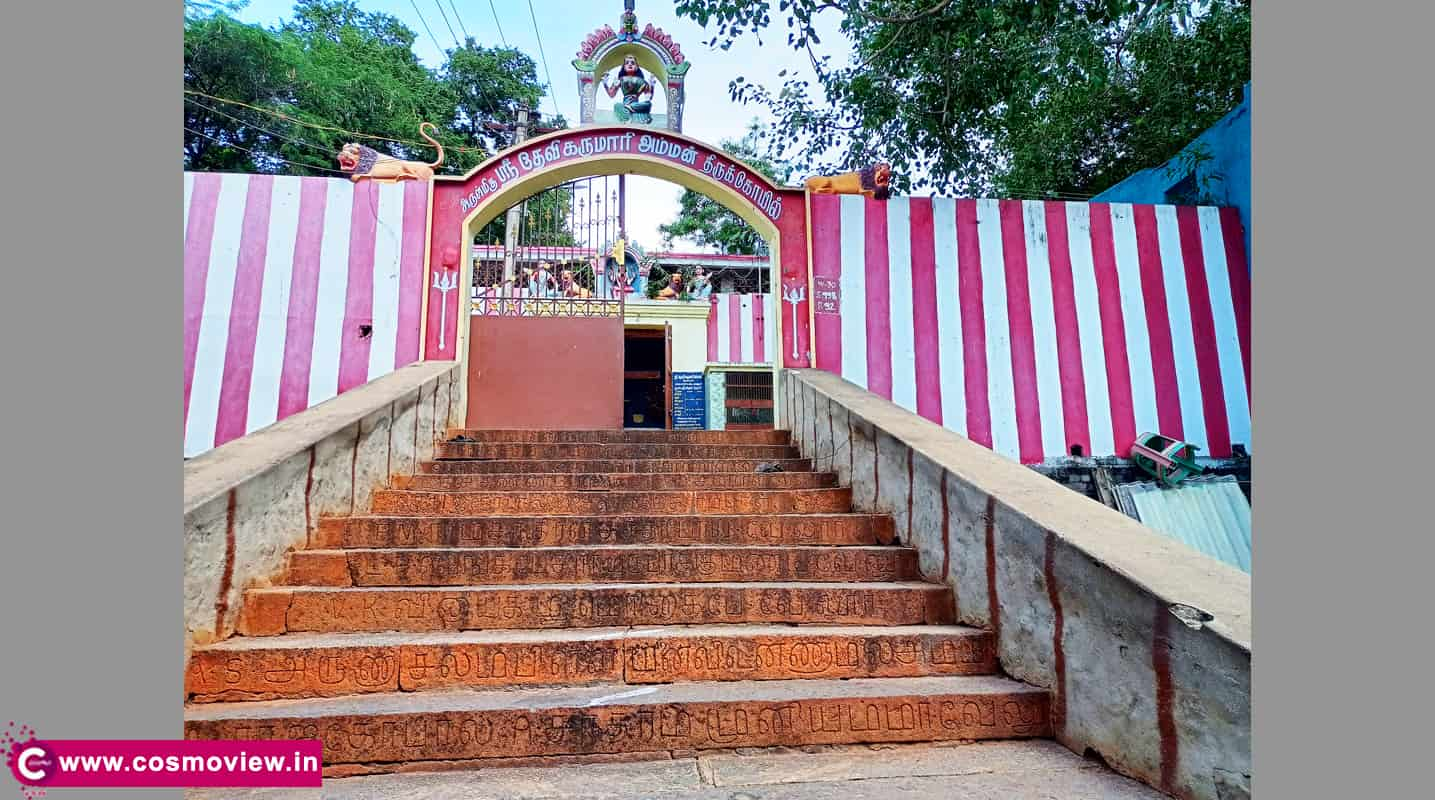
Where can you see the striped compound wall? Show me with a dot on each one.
(1032, 326)
(737, 329)
(280, 273)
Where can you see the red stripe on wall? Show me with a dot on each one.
(1068, 332)
(411, 272)
(1233, 235)
(734, 329)
(1203, 331)
(359, 304)
(713, 327)
(198, 238)
(303, 297)
(974, 336)
(924, 310)
(244, 312)
(1113, 329)
(827, 263)
(1023, 338)
(1158, 322)
(759, 333)
(879, 300)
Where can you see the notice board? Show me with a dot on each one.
(689, 401)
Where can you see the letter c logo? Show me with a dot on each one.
(22, 763)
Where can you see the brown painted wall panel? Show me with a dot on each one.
(545, 372)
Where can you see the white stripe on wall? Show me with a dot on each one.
(744, 318)
(1228, 343)
(333, 290)
(949, 316)
(1043, 327)
(899, 295)
(854, 290)
(1183, 341)
(214, 321)
(274, 304)
(1133, 313)
(188, 193)
(724, 328)
(1088, 324)
(1001, 391)
(388, 241)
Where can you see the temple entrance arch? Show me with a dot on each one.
(462, 206)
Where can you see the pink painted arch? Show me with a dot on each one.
(462, 205)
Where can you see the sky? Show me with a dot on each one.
(563, 24)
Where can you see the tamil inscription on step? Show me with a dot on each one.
(626, 729)
(658, 564)
(470, 609)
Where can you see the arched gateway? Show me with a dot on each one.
(462, 206)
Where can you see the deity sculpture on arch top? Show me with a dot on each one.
(633, 84)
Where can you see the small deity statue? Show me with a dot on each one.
(633, 84)
(702, 284)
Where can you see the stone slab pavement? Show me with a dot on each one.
(1004, 770)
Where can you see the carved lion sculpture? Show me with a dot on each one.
(874, 182)
(361, 161)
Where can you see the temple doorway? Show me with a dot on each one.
(647, 377)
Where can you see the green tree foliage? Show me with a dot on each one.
(1026, 98)
(707, 222)
(333, 68)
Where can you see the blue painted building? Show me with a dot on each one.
(1219, 175)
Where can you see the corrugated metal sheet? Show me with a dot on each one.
(1209, 514)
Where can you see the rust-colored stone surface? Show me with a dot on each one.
(588, 465)
(264, 612)
(622, 482)
(259, 671)
(445, 735)
(690, 564)
(778, 501)
(516, 450)
(483, 608)
(668, 659)
(224, 675)
(319, 568)
(533, 531)
(630, 436)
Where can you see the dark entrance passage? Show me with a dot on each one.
(647, 378)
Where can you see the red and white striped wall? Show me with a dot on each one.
(1032, 326)
(737, 329)
(279, 275)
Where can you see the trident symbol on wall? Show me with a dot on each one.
(445, 282)
(794, 295)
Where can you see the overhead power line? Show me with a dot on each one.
(443, 14)
(459, 20)
(497, 24)
(425, 23)
(552, 89)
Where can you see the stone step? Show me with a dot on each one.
(330, 664)
(626, 465)
(522, 450)
(615, 481)
(628, 436)
(275, 610)
(777, 501)
(598, 564)
(547, 531)
(404, 728)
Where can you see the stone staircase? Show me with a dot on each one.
(576, 593)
